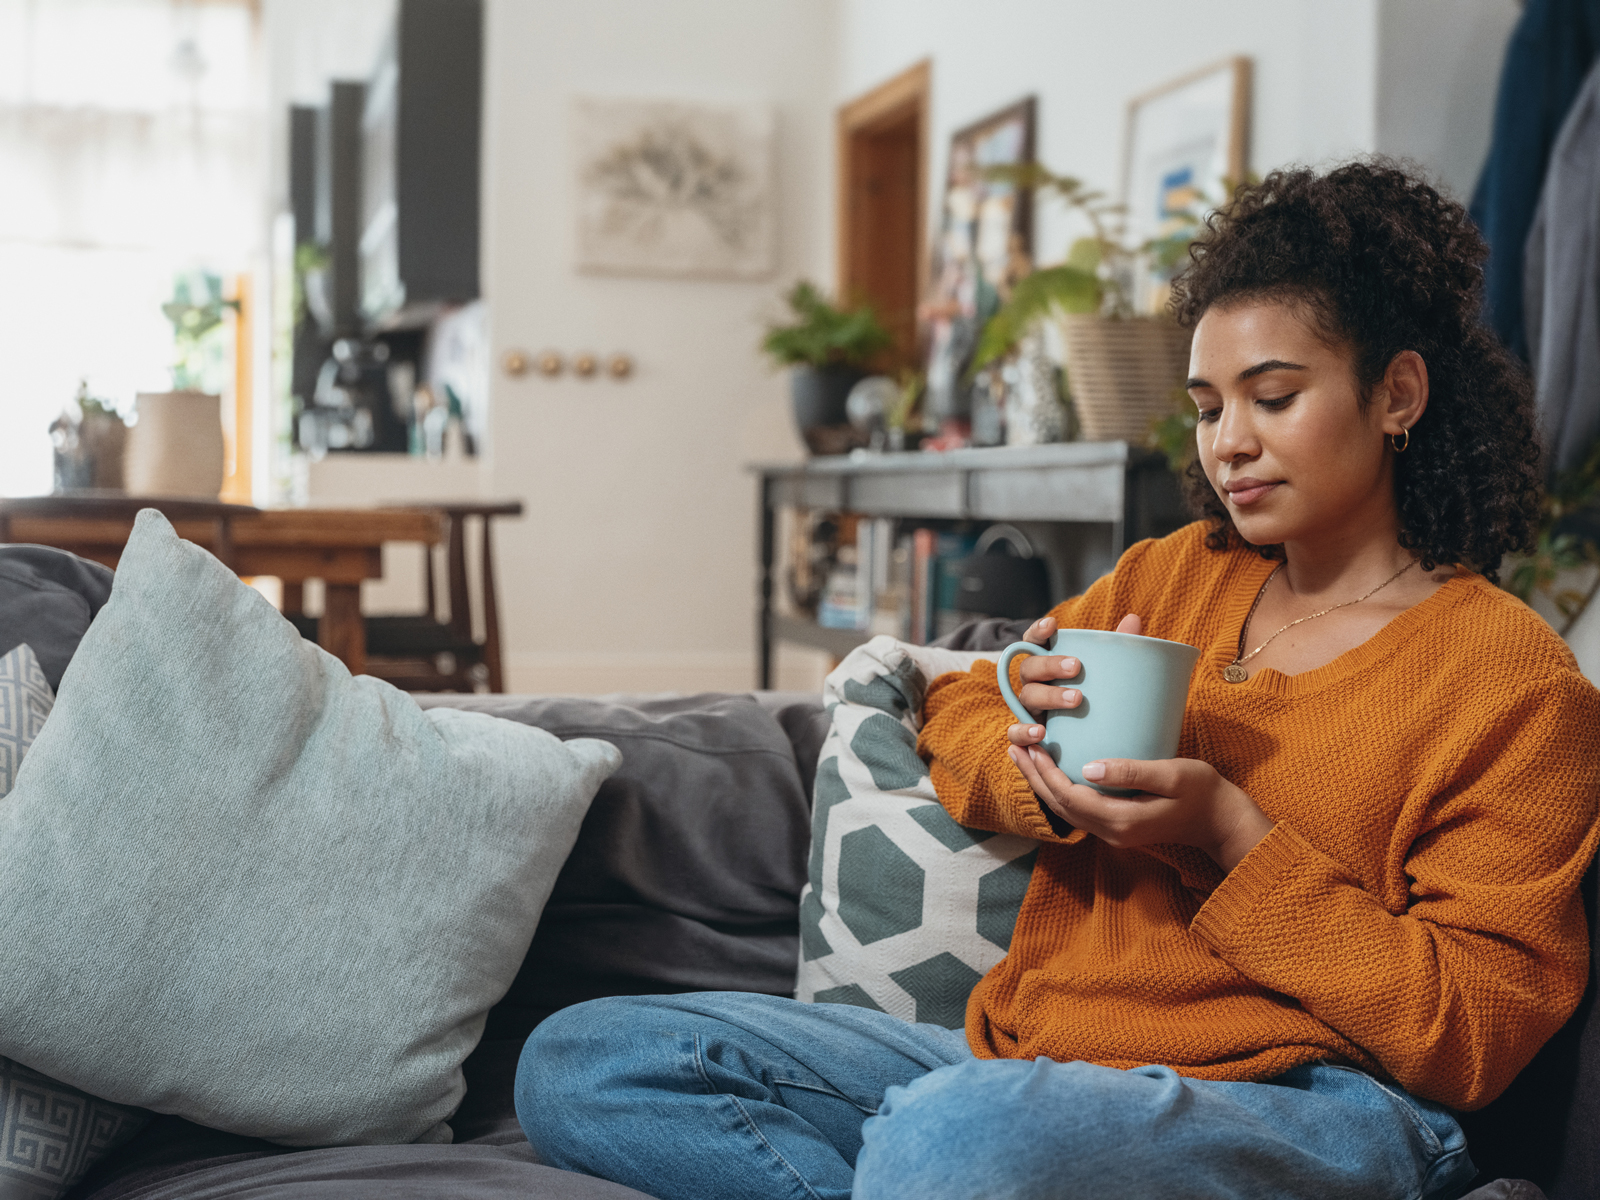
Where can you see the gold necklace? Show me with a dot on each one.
(1234, 672)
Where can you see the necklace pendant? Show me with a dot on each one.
(1234, 673)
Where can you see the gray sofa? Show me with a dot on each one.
(686, 876)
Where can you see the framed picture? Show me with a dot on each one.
(984, 243)
(1186, 147)
(673, 188)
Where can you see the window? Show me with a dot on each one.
(131, 150)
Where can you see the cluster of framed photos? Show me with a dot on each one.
(1185, 146)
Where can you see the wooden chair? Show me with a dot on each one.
(423, 652)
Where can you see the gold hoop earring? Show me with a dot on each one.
(1395, 440)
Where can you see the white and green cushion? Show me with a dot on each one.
(904, 909)
(50, 1134)
(241, 886)
(25, 701)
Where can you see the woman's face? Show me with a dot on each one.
(1282, 434)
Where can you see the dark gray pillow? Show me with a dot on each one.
(686, 875)
(47, 599)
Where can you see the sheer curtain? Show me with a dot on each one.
(131, 149)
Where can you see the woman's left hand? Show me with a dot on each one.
(1177, 800)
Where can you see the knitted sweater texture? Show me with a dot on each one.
(1414, 912)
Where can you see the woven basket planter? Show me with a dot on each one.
(1123, 373)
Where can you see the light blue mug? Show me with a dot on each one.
(1134, 691)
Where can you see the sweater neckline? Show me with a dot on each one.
(1248, 582)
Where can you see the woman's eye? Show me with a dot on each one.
(1209, 415)
(1276, 402)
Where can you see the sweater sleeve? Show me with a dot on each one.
(965, 720)
(1487, 956)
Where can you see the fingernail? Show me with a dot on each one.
(1036, 731)
(1070, 695)
(1094, 771)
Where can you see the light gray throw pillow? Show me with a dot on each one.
(50, 1134)
(243, 887)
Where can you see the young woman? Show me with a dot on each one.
(1348, 907)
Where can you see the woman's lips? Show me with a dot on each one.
(1245, 492)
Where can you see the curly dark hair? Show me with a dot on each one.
(1381, 263)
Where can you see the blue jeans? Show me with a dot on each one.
(731, 1096)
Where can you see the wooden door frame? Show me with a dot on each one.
(907, 94)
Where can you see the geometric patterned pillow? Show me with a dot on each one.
(50, 1134)
(25, 701)
(905, 910)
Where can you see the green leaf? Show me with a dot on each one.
(1052, 289)
(823, 334)
(1085, 254)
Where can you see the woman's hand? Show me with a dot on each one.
(1180, 800)
(1040, 691)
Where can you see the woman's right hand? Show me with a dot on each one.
(1041, 675)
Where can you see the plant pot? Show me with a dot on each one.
(1124, 374)
(105, 440)
(819, 395)
(176, 448)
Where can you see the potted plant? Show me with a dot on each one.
(1122, 366)
(828, 349)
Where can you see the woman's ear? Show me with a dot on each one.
(1403, 394)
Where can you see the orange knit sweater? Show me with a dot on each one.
(1415, 911)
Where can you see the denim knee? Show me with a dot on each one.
(1008, 1128)
(563, 1066)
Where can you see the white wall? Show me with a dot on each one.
(1405, 77)
(1314, 72)
(634, 568)
(1438, 68)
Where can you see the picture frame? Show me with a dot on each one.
(984, 242)
(674, 188)
(1186, 146)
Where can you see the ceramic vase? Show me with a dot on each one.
(175, 448)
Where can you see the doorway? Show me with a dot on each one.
(882, 189)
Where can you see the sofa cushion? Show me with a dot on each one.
(47, 599)
(25, 702)
(905, 910)
(687, 873)
(243, 887)
(50, 1134)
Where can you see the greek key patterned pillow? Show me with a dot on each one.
(25, 701)
(50, 1134)
(905, 910)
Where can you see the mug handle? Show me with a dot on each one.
(1003, 671)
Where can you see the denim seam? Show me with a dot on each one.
(700, 1069)
(1430, 1138)
(1447, 1159)
(826, 1091)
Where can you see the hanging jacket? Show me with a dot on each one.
(1550, 52)
(1562, 293)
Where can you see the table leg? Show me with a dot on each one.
(491, 612)
(764, 618)
(341, 632)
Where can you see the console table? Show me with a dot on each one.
(1124, 488)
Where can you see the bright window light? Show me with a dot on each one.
(131, 149)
